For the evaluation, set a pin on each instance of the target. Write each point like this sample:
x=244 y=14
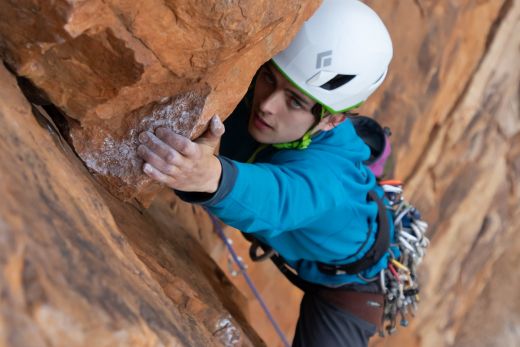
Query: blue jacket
x=309 y=205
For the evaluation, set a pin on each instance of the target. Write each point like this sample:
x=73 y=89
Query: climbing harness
x=249 y=282
x=399 y=281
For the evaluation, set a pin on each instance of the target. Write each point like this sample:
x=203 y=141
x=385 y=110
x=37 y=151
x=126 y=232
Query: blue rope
x=220 y=233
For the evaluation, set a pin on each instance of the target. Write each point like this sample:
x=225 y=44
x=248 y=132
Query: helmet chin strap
x=302 y=143
x=306 y=139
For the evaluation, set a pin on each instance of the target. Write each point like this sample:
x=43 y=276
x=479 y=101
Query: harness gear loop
x=399 y=280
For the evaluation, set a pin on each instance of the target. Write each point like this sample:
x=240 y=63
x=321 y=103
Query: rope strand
x=220 y=233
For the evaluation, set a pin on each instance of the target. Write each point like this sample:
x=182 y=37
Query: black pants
x=321 y=324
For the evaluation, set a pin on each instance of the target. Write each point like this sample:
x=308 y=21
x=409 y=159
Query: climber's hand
x=180 y=163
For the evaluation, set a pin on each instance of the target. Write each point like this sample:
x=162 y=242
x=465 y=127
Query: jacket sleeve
x=271 y=198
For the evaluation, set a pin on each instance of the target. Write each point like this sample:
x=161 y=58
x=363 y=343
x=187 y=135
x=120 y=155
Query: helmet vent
x=337 y=82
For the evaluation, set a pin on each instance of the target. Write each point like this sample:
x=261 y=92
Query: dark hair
x=316 y=111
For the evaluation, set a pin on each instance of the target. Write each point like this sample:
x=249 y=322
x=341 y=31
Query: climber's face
x=280 y=112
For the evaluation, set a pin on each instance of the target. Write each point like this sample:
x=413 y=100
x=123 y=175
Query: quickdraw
x=399 y=281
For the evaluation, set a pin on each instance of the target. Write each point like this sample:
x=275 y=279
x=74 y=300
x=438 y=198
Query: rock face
x=119 y=67
x=451 y=99
x=453 y=102
x=80 y=268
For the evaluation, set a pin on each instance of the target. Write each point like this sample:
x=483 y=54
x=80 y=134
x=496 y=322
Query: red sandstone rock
x=119 y=67
x=80 y=268
x=451 y=99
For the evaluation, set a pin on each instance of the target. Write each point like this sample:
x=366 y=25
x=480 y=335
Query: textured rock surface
x=80 y=268
x=119 y=67
x=457 y=126
x=452 y=101
x=458 y=131
x=451 y=98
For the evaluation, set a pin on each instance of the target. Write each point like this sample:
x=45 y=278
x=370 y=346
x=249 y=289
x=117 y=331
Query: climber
x=290 y=171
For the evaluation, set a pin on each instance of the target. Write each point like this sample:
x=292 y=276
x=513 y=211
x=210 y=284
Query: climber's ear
x=331 y=121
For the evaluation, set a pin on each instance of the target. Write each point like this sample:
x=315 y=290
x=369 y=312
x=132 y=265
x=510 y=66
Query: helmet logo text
x=323 y=59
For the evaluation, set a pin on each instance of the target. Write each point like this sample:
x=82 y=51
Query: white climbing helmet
x=340 y=56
